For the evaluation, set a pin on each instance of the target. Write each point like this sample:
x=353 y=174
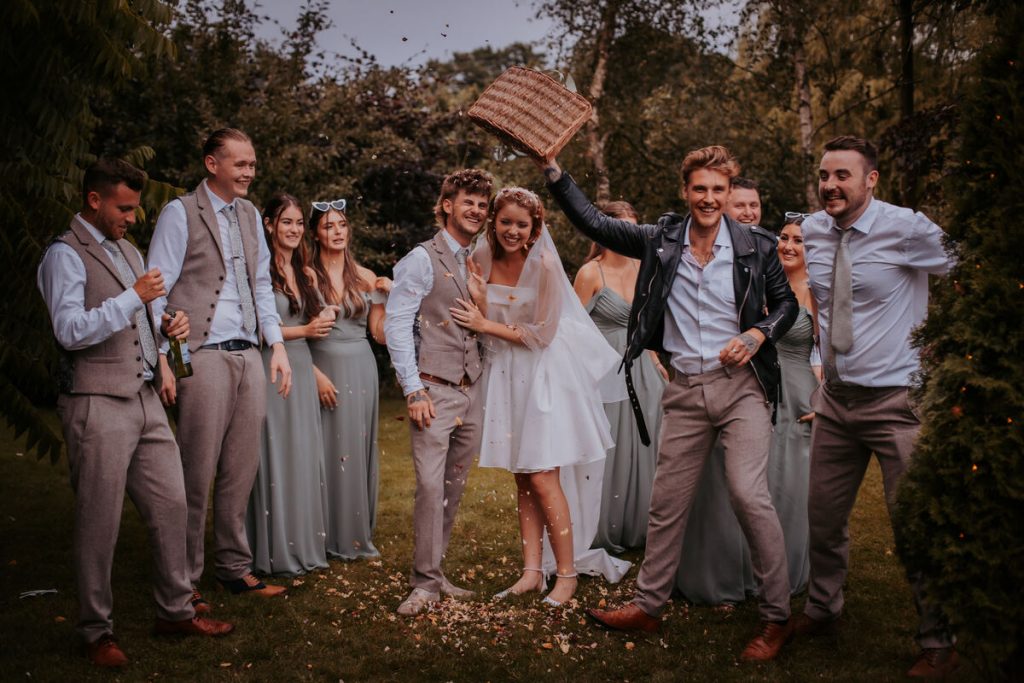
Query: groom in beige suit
x=438 y=364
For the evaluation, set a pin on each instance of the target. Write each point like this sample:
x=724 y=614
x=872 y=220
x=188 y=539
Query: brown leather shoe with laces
x=804 y=625
x=935 y=663
x=251 y=585
x=628 y=618
x=105 y=652
x=196 y=626
x=199 y=603
x=770 y=638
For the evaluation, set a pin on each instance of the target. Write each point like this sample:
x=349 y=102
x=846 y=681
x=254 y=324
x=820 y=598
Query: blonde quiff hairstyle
x=714 y=158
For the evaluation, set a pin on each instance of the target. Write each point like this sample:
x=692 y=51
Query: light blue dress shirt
x=414 y=278
x=701 y=316
x=167 y=252
x=61 y=280
x=892 y=252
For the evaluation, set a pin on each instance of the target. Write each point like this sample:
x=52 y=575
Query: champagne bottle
x=180 y=358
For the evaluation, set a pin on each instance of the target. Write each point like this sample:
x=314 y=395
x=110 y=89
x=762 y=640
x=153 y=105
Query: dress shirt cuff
x=128 y=302
x=272 y=334
x=412 y=385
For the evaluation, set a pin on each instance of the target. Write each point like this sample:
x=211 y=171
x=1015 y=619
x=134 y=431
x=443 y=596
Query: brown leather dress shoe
x=770 y=638
x=105 y=652
x=196 y=626
x=628 y=618
x=935 y=663
x=199 y=603
x=251 y=585
x=804 y=625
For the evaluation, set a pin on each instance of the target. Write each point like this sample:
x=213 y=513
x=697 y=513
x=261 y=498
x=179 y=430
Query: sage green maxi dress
x=629 y=465
x=286 y=519
x=350 y=435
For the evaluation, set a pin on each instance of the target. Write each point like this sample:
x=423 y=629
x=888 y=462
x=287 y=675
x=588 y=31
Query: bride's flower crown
x=523 y=197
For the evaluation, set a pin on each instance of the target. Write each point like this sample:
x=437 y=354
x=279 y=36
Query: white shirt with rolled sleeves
x=892 y=252
x=61 y=281
x=414 y=278
x=167 y=252
x=701 y=315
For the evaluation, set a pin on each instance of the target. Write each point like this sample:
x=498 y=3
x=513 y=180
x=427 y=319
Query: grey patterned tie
x=460 y=257
x=841 y=318
x=141 y=321
x=238 y=264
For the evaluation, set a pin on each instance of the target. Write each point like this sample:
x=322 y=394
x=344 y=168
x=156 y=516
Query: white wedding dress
x=544 y=408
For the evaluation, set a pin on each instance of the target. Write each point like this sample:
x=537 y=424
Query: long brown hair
x=521 y=197
x=307 y=302
x=617 y=209
x=352 y=284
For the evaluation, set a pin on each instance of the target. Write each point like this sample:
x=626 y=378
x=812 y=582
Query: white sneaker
x=417 y=601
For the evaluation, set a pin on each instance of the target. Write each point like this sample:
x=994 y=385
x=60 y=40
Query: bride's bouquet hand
x=469 y=316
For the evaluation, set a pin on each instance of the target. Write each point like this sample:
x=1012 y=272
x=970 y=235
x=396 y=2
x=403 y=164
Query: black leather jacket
x=763 y=297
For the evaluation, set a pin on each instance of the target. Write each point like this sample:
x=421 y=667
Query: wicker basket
x=530 y=111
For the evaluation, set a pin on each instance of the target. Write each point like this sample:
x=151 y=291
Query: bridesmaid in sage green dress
x=285 y=521
x=347 y=383
x=605 y=285
x=715 y=567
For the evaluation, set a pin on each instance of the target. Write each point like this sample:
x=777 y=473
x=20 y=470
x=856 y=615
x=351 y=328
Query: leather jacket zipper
x=739 y=323
x=640 y=311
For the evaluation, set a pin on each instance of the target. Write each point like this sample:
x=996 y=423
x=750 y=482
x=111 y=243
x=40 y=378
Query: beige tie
x=238 y=264
x=141 y=321
x=841 y=318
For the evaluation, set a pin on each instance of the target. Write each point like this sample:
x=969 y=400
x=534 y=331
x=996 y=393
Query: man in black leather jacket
x=712 y=294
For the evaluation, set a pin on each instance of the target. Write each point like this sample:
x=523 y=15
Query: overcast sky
x=409 y=32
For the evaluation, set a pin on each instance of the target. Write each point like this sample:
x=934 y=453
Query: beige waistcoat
x=114 y=366
x=446 y=350
x=202 y=273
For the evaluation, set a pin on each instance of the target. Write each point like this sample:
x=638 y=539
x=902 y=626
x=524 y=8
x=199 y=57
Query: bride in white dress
x=548 y=371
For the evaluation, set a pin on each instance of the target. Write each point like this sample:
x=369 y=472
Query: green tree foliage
x=54 y=54
x=148 y=81
x=962 y=506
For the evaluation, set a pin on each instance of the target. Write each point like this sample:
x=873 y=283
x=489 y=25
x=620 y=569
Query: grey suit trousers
x=442 y=455
x=728 y=404
x=114 y=445
x=221 y=409
x=850 y=424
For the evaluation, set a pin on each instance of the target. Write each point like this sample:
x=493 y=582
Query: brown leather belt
x=464 y=382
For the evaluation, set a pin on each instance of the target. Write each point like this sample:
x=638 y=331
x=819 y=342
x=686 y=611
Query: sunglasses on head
x=793 y=215
x=337 y=205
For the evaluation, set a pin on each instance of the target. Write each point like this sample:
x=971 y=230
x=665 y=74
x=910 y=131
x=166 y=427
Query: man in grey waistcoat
x=212 y=251
x=116 y=432
x=438 y=365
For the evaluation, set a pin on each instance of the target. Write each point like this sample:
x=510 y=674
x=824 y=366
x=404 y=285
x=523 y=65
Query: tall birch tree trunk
x=595 y=138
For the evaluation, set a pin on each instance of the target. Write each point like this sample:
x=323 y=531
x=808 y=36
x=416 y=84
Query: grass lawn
x=340 y=624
